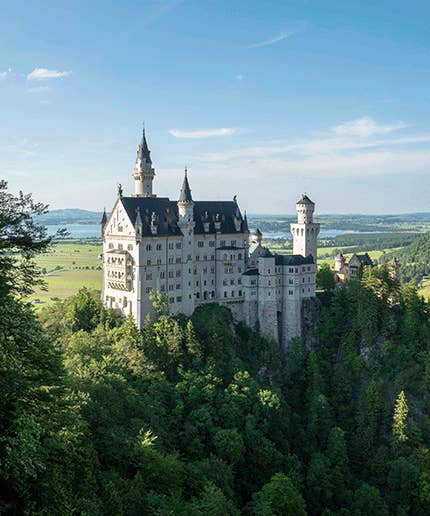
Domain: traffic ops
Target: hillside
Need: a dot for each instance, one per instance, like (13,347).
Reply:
(70,216)
(414,259)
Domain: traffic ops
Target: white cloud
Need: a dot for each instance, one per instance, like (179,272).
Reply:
(203,133)
(39,74)
(272,41)
(365,127)
(240,76)
(5,73)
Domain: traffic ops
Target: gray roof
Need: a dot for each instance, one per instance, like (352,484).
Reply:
(364,259)
(293,259)
(185,195)
(143,152)
(166,212)
(305,200)
(251,272)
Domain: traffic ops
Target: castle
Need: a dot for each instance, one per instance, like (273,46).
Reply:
(199,252)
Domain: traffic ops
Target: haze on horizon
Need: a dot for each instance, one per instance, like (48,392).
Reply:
(329,98)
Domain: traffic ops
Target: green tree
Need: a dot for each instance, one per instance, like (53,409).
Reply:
(278,497)
(325,278)
(400,418)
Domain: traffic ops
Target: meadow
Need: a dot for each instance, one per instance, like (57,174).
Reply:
(70,265)
(74,263)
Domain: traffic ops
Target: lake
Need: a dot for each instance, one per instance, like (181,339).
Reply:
(93,231)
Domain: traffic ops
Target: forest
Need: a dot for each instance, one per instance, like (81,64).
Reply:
(202,415)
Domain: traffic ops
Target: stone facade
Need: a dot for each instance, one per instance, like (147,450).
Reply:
(199,252)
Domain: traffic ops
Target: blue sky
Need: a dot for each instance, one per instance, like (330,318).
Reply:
(260,99)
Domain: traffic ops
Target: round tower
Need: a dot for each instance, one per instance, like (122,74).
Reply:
(339,262)
(305,231)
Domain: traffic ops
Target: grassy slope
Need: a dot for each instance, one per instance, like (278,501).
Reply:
(78,262)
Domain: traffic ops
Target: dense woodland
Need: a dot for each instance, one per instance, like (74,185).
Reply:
(414,259)
(203,416)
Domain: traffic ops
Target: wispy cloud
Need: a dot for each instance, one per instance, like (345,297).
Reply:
(366,126)
(240,76)
(40,74)
(361,148)
(272,41)
(39,89)
(203,133)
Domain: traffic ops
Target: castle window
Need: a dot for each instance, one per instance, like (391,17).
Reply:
(148,247)
(303,280)
(200,244)
(232,282)
(233,243)
(148,290)
(198,295)
(178,299)
(204,283)
(170,245)
(163,288)
(170,288)
(212,257)
(222,243)
(239,256)
(205,271)
(303,290)
(170,259)
(232,293)
(178,259)
(197,283)
(225,293)
(162,275)
(296,269)
(170,274)
(120,247)
(268,271)
(290,269)
(212,270)
(309,268)
(224,282)
(178,286)
(290,292)
(178,245)
(239,281)
(189,257)
(205,257)
(171,299)
(148,262)
(110,246)
(178,274)
(158,261)
(149,276)
(212,282)
(130,247)
(240,293)
(291,281)
(197,258)
(269,283)
(211,243)
(120,229)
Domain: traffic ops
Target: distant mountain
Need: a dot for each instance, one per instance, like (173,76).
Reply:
(71,216)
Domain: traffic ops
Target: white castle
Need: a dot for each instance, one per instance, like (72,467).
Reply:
(199,252)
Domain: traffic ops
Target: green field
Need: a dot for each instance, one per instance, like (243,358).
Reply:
(67,267)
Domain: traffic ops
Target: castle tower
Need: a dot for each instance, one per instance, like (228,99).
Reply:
(305,231)
(339,262)
(186,224)
(143,173)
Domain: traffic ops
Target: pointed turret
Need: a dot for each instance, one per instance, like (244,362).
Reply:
(143,173)
(138,226)
(103,221)
(245,222)
(185,195)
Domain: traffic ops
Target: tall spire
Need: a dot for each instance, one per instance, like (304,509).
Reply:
(143,173)
(185,195)
(143,152)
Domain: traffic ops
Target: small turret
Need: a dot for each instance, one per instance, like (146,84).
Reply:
(138,225)
(245,223)
(339,262)
(185,202)
(103,221)
(154,224)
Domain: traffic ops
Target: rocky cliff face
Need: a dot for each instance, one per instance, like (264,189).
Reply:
(311,316)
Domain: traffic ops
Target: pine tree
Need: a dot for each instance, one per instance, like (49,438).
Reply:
(400,418)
